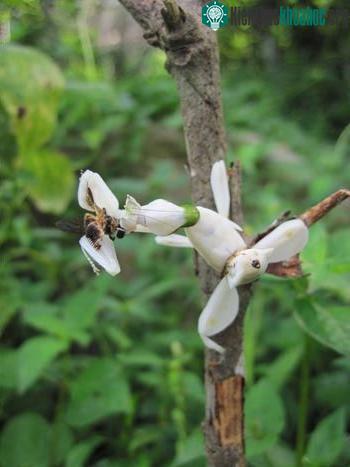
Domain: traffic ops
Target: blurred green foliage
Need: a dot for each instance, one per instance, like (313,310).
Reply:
(107,372)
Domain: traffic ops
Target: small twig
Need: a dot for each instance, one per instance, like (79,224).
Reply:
(292,268)
(316,213)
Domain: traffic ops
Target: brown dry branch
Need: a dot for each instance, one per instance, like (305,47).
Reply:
(311,215)
(318,211)
(292,268)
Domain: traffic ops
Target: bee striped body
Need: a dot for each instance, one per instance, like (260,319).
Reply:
(95,234)
(95,227)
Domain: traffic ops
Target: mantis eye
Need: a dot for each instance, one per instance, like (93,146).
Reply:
(256,264)
(120,233)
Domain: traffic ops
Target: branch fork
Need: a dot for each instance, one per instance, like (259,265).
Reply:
(292,268)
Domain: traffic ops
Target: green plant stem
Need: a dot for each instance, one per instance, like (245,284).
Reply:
(86,43)
(303,403)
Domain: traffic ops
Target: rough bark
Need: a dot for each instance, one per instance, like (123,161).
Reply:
(192,60)
(315,213)
(224,374)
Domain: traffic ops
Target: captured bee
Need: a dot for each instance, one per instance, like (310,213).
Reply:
(95,226)
(100,224)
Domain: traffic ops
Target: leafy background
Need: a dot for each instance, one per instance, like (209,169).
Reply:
(107,372)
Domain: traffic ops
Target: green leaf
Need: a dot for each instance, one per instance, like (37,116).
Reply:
(326,259)
(317,248)
(80,453)
(278,372)
(44,317)
(330,326)
(332,388)
(50,182)
(33,357)
(30,87)
(9,302)
(315,257)
(339,244)
(143,436)
(264,417)
(24,442)
(81,308)
(61,442)
(193,388)
(141,358)
(327,441)
(10,298)
(8,376)
(101,390)
(276,456)
(280,455)
(191,451)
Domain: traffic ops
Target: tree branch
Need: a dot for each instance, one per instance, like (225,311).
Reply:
(193,61)
(224,423)
(292,268)
(316,213)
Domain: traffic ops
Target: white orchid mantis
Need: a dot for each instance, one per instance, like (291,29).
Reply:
(217,239)
(211,233)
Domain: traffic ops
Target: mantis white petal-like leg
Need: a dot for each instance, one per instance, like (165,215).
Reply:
(287,240)
(220,311)
(104,255)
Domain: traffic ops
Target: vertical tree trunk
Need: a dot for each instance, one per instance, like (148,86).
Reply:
(193,61)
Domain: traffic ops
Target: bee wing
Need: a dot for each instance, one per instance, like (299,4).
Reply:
(73,226)
(105,256)
(287,240)
(92,183)
(220,311)
(179,241)
(220,189)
